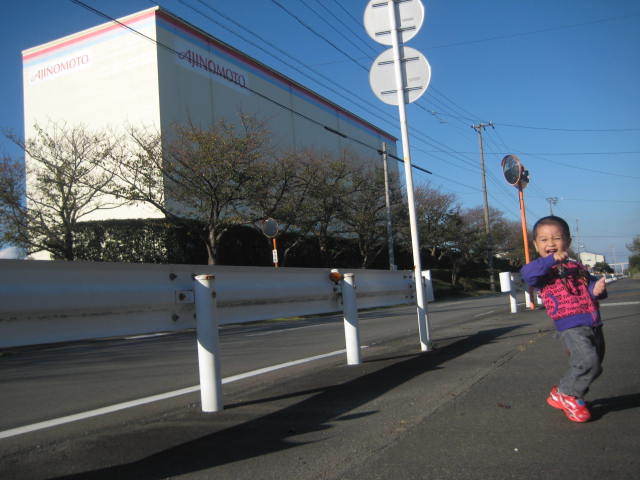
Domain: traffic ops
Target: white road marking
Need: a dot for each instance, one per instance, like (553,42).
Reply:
(483,314)
(155,398)
(280,330)
(147,335)
(618,304)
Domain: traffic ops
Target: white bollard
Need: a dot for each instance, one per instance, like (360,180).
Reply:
(208,351)
(507,284)
(505,281)
(351,328)
(513,301)
(428,285)
(527,299)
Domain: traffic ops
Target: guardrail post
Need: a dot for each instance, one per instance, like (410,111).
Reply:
(527,299)
(538,297)
(512,294)
(208,351)
(507,284)
(428,284)
(351,328)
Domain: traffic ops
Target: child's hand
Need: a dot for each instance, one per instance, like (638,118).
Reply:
(560,255)
(600,287)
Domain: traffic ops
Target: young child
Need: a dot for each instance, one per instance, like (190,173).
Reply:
(570,295)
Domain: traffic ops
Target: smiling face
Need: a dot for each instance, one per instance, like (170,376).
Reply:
(551,238)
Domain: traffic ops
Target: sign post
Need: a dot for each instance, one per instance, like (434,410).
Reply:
(398,76)
(516,175)
(270,229)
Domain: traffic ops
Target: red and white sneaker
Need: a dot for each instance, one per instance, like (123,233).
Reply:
(574,408)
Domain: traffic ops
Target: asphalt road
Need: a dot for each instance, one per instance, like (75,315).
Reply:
(48,382)
(473,408)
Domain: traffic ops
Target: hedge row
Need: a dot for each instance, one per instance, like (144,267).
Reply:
(162,241)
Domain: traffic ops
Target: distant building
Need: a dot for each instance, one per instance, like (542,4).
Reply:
(170,72)
(590,259)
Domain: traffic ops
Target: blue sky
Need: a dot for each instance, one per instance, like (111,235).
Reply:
(558,79)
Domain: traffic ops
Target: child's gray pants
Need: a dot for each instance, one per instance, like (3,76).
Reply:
(586,351)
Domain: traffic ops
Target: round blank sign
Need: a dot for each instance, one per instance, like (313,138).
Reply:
(409,18)
(512,169)
(270,227)
(416,74)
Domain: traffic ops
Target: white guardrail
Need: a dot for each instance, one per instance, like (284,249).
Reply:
(46,302)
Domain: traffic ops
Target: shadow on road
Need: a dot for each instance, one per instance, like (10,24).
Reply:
(602,406)
(271,432)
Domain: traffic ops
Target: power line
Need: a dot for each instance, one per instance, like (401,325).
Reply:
(350,95)
(416,134)
(293,58)
(575,167)
(599,200)
(534,32)
(339,50)
(339,20)
(331,26)
(323,37)
(305,25)
(349,14)
(577,130)
(276,2)
(285,107)
(553,153)
(463,110)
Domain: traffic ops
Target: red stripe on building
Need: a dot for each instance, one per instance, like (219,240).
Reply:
(218,44)
(185,27)
(82,38)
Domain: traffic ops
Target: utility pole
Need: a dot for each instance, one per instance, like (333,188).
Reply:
(552,201)
(578,239)
(613,258)
(487,228)
(392,262)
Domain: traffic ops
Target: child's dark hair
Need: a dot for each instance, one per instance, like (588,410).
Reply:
(552,220)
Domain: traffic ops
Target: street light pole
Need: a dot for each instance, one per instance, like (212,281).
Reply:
(387,199)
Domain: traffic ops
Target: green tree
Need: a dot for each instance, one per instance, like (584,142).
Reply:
(469,244)
(283,196)
(437,214)
(59,184)
(363,210)
(634,246)
(327,180)
(602,267)
(204,174)
(634,258)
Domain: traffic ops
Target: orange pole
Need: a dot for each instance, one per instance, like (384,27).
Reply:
(525,237)
(275,263)
(523,221)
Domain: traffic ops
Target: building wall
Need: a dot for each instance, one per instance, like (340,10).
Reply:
(590,259)
(204,80)
(111,77)
(102,78)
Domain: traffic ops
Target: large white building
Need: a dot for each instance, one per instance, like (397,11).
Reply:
(155,70)
(590,259)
